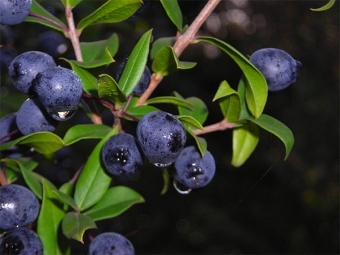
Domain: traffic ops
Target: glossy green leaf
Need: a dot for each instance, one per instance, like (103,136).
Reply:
(93,181)
(67,188)
(245,140)
(139,111)
(200,141)
(229,100)
(160,43)
(173,11)
(75,224)
(166,62)
(65,198)
(42,142)
(135,65)
(278,129)
(199,112)
(94,50)
(38,9)
(325,7)
(166,180)
(32,179)
(115,201)
(190,122)
(241,90)
(257,89)
(169,100)
(109,89)
(85,131)
(71,3)
(13,170)
(103,60)
(49,222)
(90,83)
(112,11)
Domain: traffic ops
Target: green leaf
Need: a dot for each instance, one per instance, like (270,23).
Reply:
(135,65)
(169,100)
(13,170)
(173,11)
(49,222)
(42,142)
(94,50)
(160,43)
(90,83)
(200,141)
(167,62)
(245,140)
(67,188)
(93,181)
(140,111)
(102,61)
(199,112)
(229,100)
(71,3)
(115,201)
(190,122)
(85,131)
(38,9)
(75,224)
(325,7)
(257,89)
(32,179)
(108,89)
(278,129)
(242,95)
(112,11)
(65,198)
(166,179)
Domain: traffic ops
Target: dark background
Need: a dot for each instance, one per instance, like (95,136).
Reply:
(266,206)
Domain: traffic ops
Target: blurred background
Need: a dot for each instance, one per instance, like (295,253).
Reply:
(266,206)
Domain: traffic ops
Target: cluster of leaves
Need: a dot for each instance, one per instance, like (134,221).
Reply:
(76,206)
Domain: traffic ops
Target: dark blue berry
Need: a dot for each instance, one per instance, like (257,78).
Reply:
(161,136)
(19,207)
(32,117)
(193,170)
(7,125)
(143,83)
(277,66)
(59,89)
(24,68)
(14,12)
(111,244)
(121,155)
(20,241)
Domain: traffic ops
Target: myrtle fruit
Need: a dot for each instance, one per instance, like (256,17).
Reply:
(193,170)
(7,125)
(121,155)
(143,83)
(111,243)
(161,136)
(53,43)
(277,66)
(32,117)
(24,68)
(13,12)
(59,89)
(19,207)
(20,241)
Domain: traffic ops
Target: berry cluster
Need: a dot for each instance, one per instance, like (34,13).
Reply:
(54,93)
(19,208)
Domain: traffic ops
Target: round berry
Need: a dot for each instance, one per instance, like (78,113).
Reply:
(32,117)
(277,66)
(111,244)
(59,89)
(19,207)
(193,170)
(20,241)
(7,125)
(24,68)
(161,136)
(121,155)
(13,12)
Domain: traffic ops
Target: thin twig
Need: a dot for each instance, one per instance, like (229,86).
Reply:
(181,43)
(49,20)
(3,179)
(220,126)
(9,135)
(73,34)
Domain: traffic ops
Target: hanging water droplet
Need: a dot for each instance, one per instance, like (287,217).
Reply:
(62,116)
(183,192)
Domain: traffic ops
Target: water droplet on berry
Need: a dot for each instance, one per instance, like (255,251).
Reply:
(183,192)
(62,116)
(162,164)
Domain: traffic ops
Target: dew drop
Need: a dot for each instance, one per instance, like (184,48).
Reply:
(162,164)
(62,116)
(183,192)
